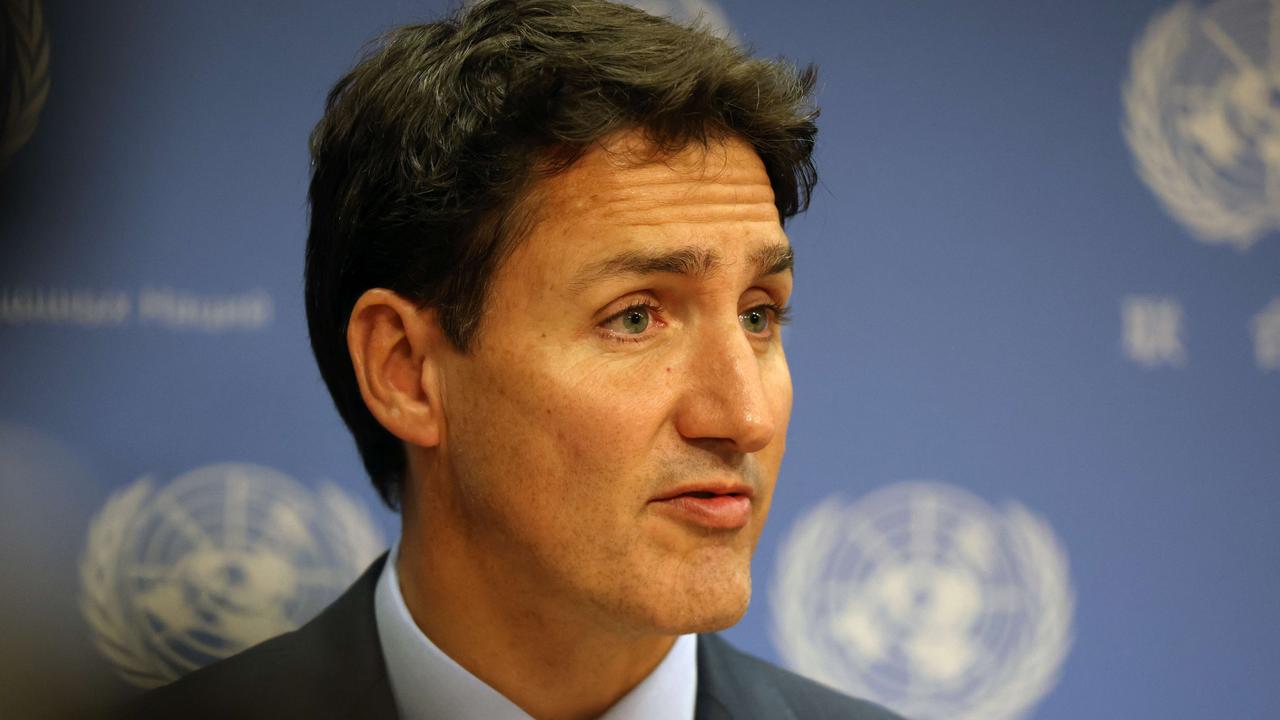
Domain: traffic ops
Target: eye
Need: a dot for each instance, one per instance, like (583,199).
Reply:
(755,320)
(761,319)
(635,320)
(631,321)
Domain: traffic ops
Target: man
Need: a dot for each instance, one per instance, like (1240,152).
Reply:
(546,275)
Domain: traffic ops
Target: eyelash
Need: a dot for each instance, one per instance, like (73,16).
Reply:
(779,315)
(650,305)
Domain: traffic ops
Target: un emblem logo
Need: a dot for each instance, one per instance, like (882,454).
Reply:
(923,597)
(1202,116)
(219,559)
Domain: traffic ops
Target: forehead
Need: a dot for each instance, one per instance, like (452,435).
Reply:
(624,178)
(622,195)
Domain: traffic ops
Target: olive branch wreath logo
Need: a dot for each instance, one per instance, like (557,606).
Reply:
(1213,206)
(1006,690)
(113,553)
(24,49)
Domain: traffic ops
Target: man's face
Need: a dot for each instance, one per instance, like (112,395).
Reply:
(615,433)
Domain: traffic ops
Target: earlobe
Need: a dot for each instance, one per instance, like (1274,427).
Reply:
(394,347)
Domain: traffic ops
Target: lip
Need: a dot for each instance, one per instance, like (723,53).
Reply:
(714,507)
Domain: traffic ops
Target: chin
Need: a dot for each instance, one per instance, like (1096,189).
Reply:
(701,603)
(714,621)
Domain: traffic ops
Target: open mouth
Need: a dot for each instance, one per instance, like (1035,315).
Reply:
(708,509)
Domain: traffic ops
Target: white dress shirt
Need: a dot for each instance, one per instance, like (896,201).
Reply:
(429,685)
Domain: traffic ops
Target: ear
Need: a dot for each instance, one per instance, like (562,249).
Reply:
(395,348)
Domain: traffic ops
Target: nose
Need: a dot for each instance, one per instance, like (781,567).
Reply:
(727,396)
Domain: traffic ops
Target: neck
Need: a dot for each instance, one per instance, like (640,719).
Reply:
(547,655)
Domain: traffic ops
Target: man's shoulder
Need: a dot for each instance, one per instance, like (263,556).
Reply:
(332,667)
(261,681)
(731,682)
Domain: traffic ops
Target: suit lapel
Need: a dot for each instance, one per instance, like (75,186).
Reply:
(729,689)
(345,637)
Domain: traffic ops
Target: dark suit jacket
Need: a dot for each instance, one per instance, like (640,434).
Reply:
(332,668)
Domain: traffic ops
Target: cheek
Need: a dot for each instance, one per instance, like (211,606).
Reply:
(777,378)
(603,418)
(565,426)
(782,398)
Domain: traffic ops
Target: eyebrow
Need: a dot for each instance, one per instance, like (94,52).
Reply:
(692,261)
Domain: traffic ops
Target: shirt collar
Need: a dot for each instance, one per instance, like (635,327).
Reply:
(428,684)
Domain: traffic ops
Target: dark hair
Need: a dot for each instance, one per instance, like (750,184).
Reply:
(428,145)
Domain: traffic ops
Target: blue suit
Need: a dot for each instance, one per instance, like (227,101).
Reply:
(333,668)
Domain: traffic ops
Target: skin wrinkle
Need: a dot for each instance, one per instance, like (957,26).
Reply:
(625,207)
(770,260)
(754,205)
(633,220)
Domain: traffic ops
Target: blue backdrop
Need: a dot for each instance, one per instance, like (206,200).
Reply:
(1036,353)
